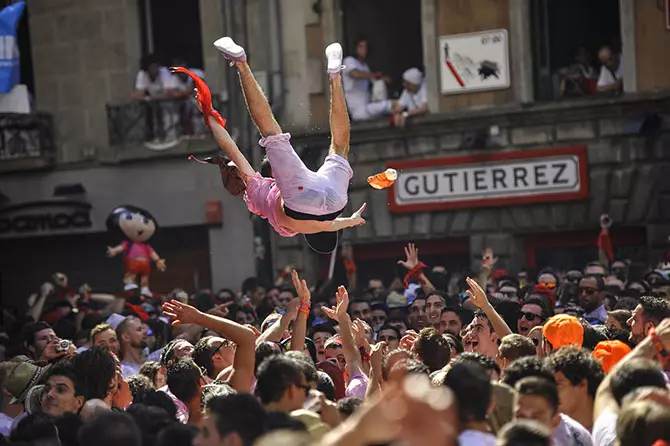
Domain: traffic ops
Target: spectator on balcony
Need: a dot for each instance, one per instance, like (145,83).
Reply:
(413,100)
(611,71)
(357,79)
(580,78)
(191,120)
(154,81)
(184,85)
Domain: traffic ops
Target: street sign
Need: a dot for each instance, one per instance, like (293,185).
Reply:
(474,62)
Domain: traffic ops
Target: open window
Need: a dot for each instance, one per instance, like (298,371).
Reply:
(566,33)
(171,29)
(393,31)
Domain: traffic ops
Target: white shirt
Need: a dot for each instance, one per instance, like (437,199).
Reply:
(570,433)
(606,78)
(5,424)
(164,81)
(412,101)
(189,84)
(604,429)
(129,369)
(476,438)
(356,91)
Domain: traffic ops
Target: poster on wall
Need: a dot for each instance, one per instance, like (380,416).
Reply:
(474,62)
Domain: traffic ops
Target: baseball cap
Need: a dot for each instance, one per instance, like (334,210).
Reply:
(610,352)
(563,330)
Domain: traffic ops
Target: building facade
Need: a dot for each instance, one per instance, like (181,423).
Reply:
(615,149)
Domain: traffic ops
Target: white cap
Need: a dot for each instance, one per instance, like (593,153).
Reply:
(413,76)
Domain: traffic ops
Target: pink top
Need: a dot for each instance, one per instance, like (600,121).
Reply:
(137,251)
(263,197)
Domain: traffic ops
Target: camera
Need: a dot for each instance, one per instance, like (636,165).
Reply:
(63,346)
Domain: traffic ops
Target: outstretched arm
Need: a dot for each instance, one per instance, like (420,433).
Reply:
(227,144)
(314,227)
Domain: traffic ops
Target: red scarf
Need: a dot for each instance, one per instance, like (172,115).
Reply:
(204,97)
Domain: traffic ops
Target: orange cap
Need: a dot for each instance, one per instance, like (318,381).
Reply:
(609,353)
(563,330)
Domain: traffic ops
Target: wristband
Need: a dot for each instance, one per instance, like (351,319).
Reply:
(414,273)
(304,311)
(658,344)
(305,307)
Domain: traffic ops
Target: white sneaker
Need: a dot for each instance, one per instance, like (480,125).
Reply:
(231,50)
(334,55)
(146,292)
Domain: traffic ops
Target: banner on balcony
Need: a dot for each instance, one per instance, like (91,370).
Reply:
(10,70)
(495,179)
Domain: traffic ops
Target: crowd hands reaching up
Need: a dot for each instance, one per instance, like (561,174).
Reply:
(578,357)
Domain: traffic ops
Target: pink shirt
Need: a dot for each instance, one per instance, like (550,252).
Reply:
(137,251)
(263,197)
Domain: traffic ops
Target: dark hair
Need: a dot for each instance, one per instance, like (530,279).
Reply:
(455,341)
(68,370)
(356,42)
(643,422)
(177,434)
(472,388)
(168,353)
(203,352)
(386,361)
(347,406)
(68,425)
(488,363)
(546,311)
(240,413)
(600,282)
(98,369)
(148,60)
(306,365)
(480,313)
(150,419)
(525,367)
(325,327)
(288,289)
(634,373)
(655,309)
(439,294)
(433,349)
(139,386)
(30,331)
(416,367)
(250,285)
(515,346)
(162,400)
(150,370)
(577,365)
(110,429)
(621,316)
(359,301)
(114,217)
(524,433)
(183,378)
(34,427)
(214,390)
(390,327)
(275,375)
(264,350)
(538,386)
(265,169)
(326,385)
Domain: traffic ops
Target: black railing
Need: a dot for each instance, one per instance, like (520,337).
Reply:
(157,124)
(26,136)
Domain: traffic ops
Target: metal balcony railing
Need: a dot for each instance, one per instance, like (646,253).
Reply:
(26,136)
(157,124)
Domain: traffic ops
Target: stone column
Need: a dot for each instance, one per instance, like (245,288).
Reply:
(627,18)
(521,53)
(294,17)
(212,27)
(431,58)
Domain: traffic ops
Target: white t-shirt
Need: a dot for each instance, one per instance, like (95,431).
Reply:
(356,91)
(606,78)
(129,369)
(5,424)
(570,433)
(164,81)
(604,429)
(476,438)
(412,101)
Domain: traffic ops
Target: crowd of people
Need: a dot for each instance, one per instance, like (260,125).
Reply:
(576,357)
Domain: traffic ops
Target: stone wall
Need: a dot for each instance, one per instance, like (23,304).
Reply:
(629,174)
(85,54)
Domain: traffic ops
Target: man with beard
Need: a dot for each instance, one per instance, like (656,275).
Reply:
(649,312)
(591,295)
(533,313)
(132,335)
(417,317)
(435,303)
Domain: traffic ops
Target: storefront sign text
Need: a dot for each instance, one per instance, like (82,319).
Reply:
(43,216)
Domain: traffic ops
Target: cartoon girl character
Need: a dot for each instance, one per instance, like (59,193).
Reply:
(137,226)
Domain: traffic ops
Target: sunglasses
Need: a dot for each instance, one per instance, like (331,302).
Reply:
(528,316)
(305,387)
(548,285)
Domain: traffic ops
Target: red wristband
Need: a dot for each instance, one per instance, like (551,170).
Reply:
(414,273)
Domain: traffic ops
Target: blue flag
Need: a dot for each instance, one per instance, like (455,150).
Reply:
(10,69)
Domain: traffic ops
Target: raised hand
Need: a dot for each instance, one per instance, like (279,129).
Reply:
(377,353)
(110,252)
(181,313)
(220,310)
(412,256)
(356,218)
(301,287)
(340,310)
(407,342)
(160,264)
(292,308)
(476,294)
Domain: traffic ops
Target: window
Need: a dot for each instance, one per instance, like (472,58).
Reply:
(393,31)
(562,30)
(171,29)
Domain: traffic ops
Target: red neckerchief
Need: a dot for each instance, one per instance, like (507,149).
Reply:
(414,273)
(204,97)
(138,311)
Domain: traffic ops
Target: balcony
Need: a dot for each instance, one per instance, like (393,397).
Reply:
(26,142)
(159,128)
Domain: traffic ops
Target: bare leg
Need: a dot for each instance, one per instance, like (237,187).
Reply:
(339,119)
(227,144)
(257,103)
